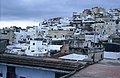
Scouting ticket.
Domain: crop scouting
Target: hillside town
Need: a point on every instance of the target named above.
(58, 46)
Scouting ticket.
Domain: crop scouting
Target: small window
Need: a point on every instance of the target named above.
(77, 32)
(33, 43)
(63, 36)
(70, 36)
(22, 77)
(54, 36)
(101, 56)
(71, 29)
(4, 33)
(32, 51)
(29, 48)
(97, 29)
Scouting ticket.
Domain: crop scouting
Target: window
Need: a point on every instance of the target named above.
(33, 43)
(29, 48)
(22, 77)
(71, 29)
(63, 36)
(54, 36)
(101, 56)
(32, 51)
(65, 50)
(77, 32)
(97, 29)
(4, 33)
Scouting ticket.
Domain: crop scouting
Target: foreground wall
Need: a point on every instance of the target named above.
(25, 72)
(33, 73)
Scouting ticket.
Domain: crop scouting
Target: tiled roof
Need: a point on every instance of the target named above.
(44, 62)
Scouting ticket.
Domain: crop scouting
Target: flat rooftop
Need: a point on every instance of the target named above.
(103, 69)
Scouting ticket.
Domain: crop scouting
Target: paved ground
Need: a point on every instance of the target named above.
(104, 69)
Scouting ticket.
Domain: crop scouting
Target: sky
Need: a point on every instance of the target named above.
(30, 12)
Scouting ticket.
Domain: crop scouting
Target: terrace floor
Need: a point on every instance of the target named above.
(103, 69)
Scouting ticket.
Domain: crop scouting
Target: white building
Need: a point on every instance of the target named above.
(92, 37)
(20, 36)
(112, 55)
(38, 47)
(17, 49)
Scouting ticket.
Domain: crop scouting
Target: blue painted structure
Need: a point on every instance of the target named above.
(27, 72)
(3, 70)
(34, 73)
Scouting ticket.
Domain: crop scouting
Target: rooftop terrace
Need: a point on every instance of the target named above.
(104, 69)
